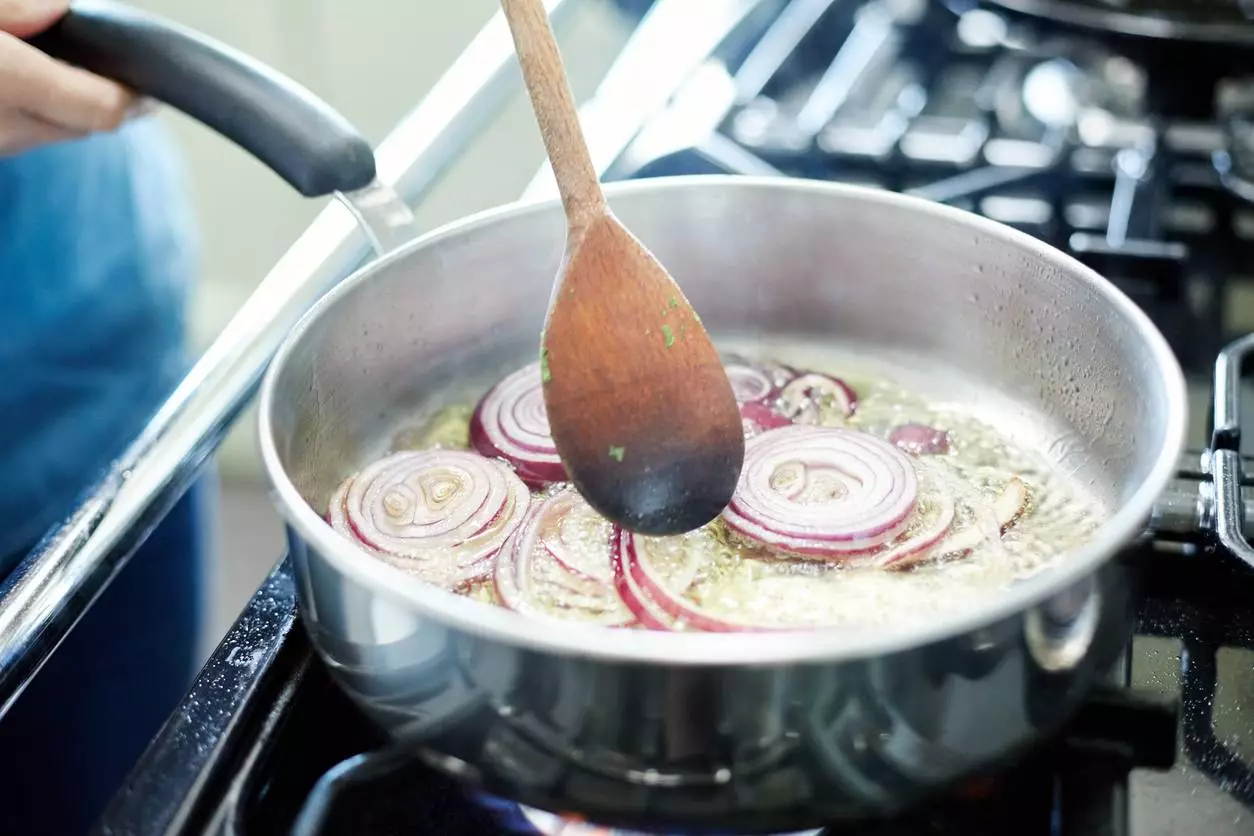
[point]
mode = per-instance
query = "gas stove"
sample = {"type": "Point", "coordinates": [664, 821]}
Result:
{"type": "Point", "coordinates": [1134, 151]}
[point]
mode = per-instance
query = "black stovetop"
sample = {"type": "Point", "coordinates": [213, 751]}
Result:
{"type": "Point", "coordinates": [1112, 151]}
{"type": "Point", "coordinates": [1105, 148]}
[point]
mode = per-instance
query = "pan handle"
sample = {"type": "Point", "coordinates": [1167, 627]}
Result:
{"type": "Point", "coordinates": [300, 137]}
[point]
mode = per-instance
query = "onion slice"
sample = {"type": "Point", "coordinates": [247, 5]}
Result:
{"type": "Point", "coordinates": [749, 383]}
{"type": "Point", "coordinates": [777, 374]}
{"type": "Point", "coordinates": [510, 422]}
{"type": "Point", "coordinates": [757, 418]}
{"type": "Point", "coordinates": [919, 546]}
{"type": "Point", "coordinates": [1007, 507]}
{"type": "Point", "coordinates": [920, 439]}
{"type": "Point", "coordinates": [642, 605]}
{"type": "Point", "coordinates": [756, 387]}
{"type": "Point", "coordinates": [337, 516]}
{"type": "Point", "coordinates": [439, 514]}
{"type": "Point", "coordinates": [805, 399]}
{"type": "Point", "coordinates": [822, 491]}
{"type": "Point", "coordinates": [665, 590]}
{"type": "Point", "coordinates": [532, 579]}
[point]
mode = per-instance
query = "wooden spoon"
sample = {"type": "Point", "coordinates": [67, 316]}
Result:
{"type": "Point", "coordinates": [640, 407]}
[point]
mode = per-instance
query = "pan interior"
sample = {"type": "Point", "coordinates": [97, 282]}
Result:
{"type": "Point", "coordinates": [958, 308]}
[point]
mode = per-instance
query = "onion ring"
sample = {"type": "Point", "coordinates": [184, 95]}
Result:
{"type": "Point", "coordinates": [510, 422]}
{"type": "Point", "coordinates": [756, 418]}
{"type": "Point", "coordinates": [668, 595]}
{"type": "Point", "coordinates": [920, 439]}
{"type": "Point", "coordinates": [1007, 507]}
{"type": "Point", "coordinates": [822, 491]}
{"type": "Point", "coordinates": [646, 610]}
{"type": "Point", "coordinates": [804, 398]}
{"type": "Point", "coordinates": [749, 383]}
{"type": "Point", "coordinates": [919, 547]}
{"type": "Point", "coordinates": [531, 579]}
{"type": "Point", "coordinates": [440, 514]}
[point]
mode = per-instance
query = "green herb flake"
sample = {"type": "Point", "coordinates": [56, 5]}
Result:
{"type": "Point", "coordinates": [617, 453]}
{"type": "Point", "coordinates": [545, 374]}
{"type": "Point", "coordinates": [669, 335]}
{"type": "Point", "coordinates": [674, 301]}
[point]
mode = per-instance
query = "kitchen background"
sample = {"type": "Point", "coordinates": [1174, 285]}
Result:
{"type": "Point", "coordinates": [373, 60]}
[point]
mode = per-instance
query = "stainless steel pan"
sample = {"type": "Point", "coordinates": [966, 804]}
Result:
{"type": "Point", "coordinates": [754, 732]}
{"type": "Point", "coordinates": [759, 731]}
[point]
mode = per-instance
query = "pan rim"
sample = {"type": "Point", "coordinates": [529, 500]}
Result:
{"type": "Point", "coordinates": [740, 649]}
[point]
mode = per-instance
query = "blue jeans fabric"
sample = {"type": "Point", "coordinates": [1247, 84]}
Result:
{"type": "Point", "coordinates": [97, 257]}
{"type": "Point", "coordinates": [69, 742]}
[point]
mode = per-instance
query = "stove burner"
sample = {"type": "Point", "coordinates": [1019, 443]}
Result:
{"type": "Point", "coordinates": [1072, 779]}
{"type": "Point", "coordinates": [1229, 22]}
{"type": "Point", "coordinates": [540, 823]}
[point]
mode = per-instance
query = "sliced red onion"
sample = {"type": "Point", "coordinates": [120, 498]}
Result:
{"type": "Point", "coordinates": [337, 516]}
{"type": "Point", "coordinates": [822, 491]}
{"type": "Point", "coordinates": [511, 423]}
{"type": "Point", "coordinates": [440, 514]}
{"type": "Point", "coordinates": [577, 537]}
{"type": "Point", "coordinates": [757, 418]}
{"type": "Point", "coordinates": [667, 592]}
{"type": "Point", "coordinates": [531, 579]}
{"type": "Point", "coordinates": [749, 383]}
{"type": "Point", "coordinates": [1006, 508]}
{"type": "Point", "coordinates": [920, 439]}
{"type": "Point", "coordinates": [804, 398]}
{"type": "Point", "coordinates": [756, 386]}
{"type": "Point", "coordinates": [777, 372]}
{"type": "Point", "coordinates": [642, 605]}
{"type": "Point", "coordinates": [919, 546]}
{"type": "Point", "coordinates": [1010, 503]}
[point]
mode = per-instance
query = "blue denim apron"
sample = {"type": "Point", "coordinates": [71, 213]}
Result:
{"type": "Point", "coordinates": [97, 254]}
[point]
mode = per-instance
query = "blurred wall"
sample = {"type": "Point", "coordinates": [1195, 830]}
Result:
{"type": "Point", "coordinates": [373, 60]}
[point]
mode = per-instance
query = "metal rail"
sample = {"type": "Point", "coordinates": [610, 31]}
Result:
{"type": "Point", "coordinates": [47, 593]}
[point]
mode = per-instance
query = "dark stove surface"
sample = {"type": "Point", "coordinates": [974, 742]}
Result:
{"type": "Point", "coordinates": [1105, 150]}
{"type": "Point", "coordinates": [1136, 166]}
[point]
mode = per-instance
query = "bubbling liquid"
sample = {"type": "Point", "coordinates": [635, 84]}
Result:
{"type": "Point", "coordinates": [736, 579]}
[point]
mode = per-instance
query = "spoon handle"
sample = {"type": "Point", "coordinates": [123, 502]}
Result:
{"type": "Point", "coordinates": [555, 110]}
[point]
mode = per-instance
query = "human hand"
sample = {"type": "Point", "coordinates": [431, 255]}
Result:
{"type": "Point", "coordinates": [43, 100]}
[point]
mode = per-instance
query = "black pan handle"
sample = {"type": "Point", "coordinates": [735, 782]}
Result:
{"type": "Point", "coordinates": [300, 137]}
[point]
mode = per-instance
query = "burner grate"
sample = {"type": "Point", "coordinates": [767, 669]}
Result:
{"type": "Point", "coordinates": [1057, 136]}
